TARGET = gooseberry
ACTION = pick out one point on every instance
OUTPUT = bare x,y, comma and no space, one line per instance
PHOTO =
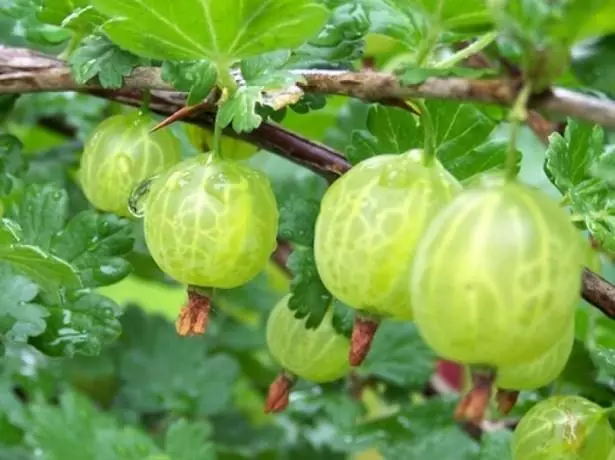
319,355
369,223
211,222
541,371
563,427
119,155
230,148
497,275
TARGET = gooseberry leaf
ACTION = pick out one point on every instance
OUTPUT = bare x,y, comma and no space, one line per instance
75,425
42,213
495,445
395,129
209,29
399,355
310,298
595,66
195,77
399,20
487,157
50,272
12,164
239,110
97,57
340,42
569,157
95,244
459,128
20,316
297,219
268,70
76,15
162,371
190,440
80,322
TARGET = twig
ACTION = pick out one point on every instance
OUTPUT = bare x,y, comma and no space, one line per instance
317,157
22,70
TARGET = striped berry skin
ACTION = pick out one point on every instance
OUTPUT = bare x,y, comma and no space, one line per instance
119,155
497,276
563,428
319,355
541,371
369,224
210,222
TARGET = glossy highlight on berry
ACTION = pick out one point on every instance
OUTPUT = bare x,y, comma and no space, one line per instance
369,224
119,155
211,222
319,355
496,278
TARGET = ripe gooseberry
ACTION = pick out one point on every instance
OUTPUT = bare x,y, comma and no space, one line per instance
230,148
211,222
319,355
369,223
119,155
563,427
541,371
497,275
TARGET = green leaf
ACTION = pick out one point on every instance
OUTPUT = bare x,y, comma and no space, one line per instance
20,318
95,245
76,426
219,31
459,128
488,157
76,15
42,213
309,297
399,355
454,14
81,322
12,164
496,445
162,371
267,70
569,157
190,441
50,272
398,19
240,110
395,129
97,57
595,65
340,42
195,77
297,219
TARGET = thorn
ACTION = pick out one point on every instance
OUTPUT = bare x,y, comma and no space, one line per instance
179,115
279,392
194,316
506,400
473,405
363,333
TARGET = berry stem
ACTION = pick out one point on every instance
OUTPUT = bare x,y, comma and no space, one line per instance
506,400
279,392
468,51
429,134
473,405
516,117
194,316
215,142
363,332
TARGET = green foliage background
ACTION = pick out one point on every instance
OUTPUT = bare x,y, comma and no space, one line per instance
91,365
